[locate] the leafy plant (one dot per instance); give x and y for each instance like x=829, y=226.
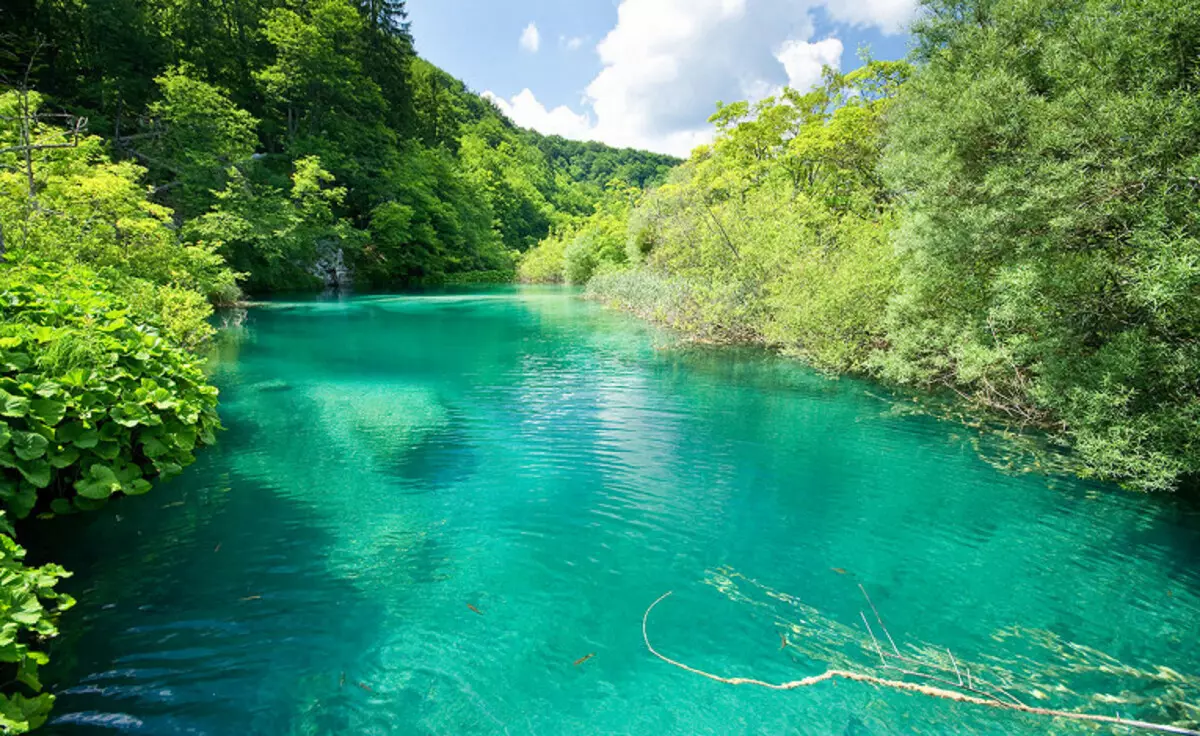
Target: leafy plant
x=29, y=607
x=94, y=400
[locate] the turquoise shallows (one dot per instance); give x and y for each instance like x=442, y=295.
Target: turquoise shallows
x=427, y=508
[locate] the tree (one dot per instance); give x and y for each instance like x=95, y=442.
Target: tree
x=1048, y=155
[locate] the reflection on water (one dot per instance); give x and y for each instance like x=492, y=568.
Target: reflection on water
x=427, y=508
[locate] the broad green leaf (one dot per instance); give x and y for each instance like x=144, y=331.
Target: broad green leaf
x=49, y=411
x=154, y=447
x=13, y=406
x=13, y=362
x=68, y=432
x=86, y=439
x=43, y=333
x=99, y=483
x=75, y=378
x=37, y=472
x=138, y=487
x=64, y=457
x=20, y=714
x=130, y=415
x=107, y=449
x=168, y=469
x=47, y=389
x=127, y=472
x=29, y=445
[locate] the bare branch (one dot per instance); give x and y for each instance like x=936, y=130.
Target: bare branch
x=912, y=687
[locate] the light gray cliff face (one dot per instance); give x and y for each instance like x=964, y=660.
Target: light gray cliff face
x=331, y=267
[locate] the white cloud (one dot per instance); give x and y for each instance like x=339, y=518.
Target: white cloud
x=804, y=61
x=889, y=16
x=525, y=110
x=531, y=40
x=574, y=43
x=667, y=62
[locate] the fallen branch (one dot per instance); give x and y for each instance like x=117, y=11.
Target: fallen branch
x=931, y=691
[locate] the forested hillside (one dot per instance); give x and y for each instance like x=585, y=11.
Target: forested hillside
x=304, y=141
x=1014, y=218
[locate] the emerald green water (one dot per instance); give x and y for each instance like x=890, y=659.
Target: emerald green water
x=391, y=460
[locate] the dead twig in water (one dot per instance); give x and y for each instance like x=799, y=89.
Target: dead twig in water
x=912, y=687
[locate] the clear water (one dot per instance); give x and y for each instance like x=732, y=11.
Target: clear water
x=391, y=461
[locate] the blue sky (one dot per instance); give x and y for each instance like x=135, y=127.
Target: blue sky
x=646, y=73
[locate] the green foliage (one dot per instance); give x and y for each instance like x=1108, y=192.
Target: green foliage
x=1050, y=240
x=94, y=401
x=599, y=165
x=1018, y=223
x=584, y=244
x=478, y=277
x=273, y=144
x=198, y=134
x=274, y=237
x=780, y=230
x=29, y=607
x=544, y=264
x=433, y=223
x=669, y=300
x=83, y=208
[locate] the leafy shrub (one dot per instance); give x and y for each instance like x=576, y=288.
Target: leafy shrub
x=580, y=260
x=829, y=307
x=94, y=400
x=478, y=277
x=273, y=236
x=1049, y=154
x=87, y=209
x=543, y=264
x=584, y=244
x=28, y=609
x=672, y=301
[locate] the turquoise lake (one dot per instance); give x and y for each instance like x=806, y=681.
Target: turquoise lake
x=427, y=510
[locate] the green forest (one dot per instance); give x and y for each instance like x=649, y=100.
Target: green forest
x=1011, y=215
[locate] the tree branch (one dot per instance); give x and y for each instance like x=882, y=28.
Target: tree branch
x=912, y=687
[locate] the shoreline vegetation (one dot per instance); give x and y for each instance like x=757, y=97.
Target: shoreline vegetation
x=1012, y=214
x=1009, y=217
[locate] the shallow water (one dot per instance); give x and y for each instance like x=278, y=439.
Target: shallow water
x=392, y=462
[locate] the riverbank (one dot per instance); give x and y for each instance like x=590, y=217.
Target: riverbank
x=1029, y=444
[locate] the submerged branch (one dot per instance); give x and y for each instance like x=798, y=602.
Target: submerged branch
x=913, y=687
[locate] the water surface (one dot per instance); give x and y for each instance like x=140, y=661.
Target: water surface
x=427, y=508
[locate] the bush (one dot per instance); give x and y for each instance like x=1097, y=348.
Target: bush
x=97, y=212
x=94, y=399
x=1049, y=155
x=543, y=264
x=829, y=307
x=28, y=609
x=580, y=260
